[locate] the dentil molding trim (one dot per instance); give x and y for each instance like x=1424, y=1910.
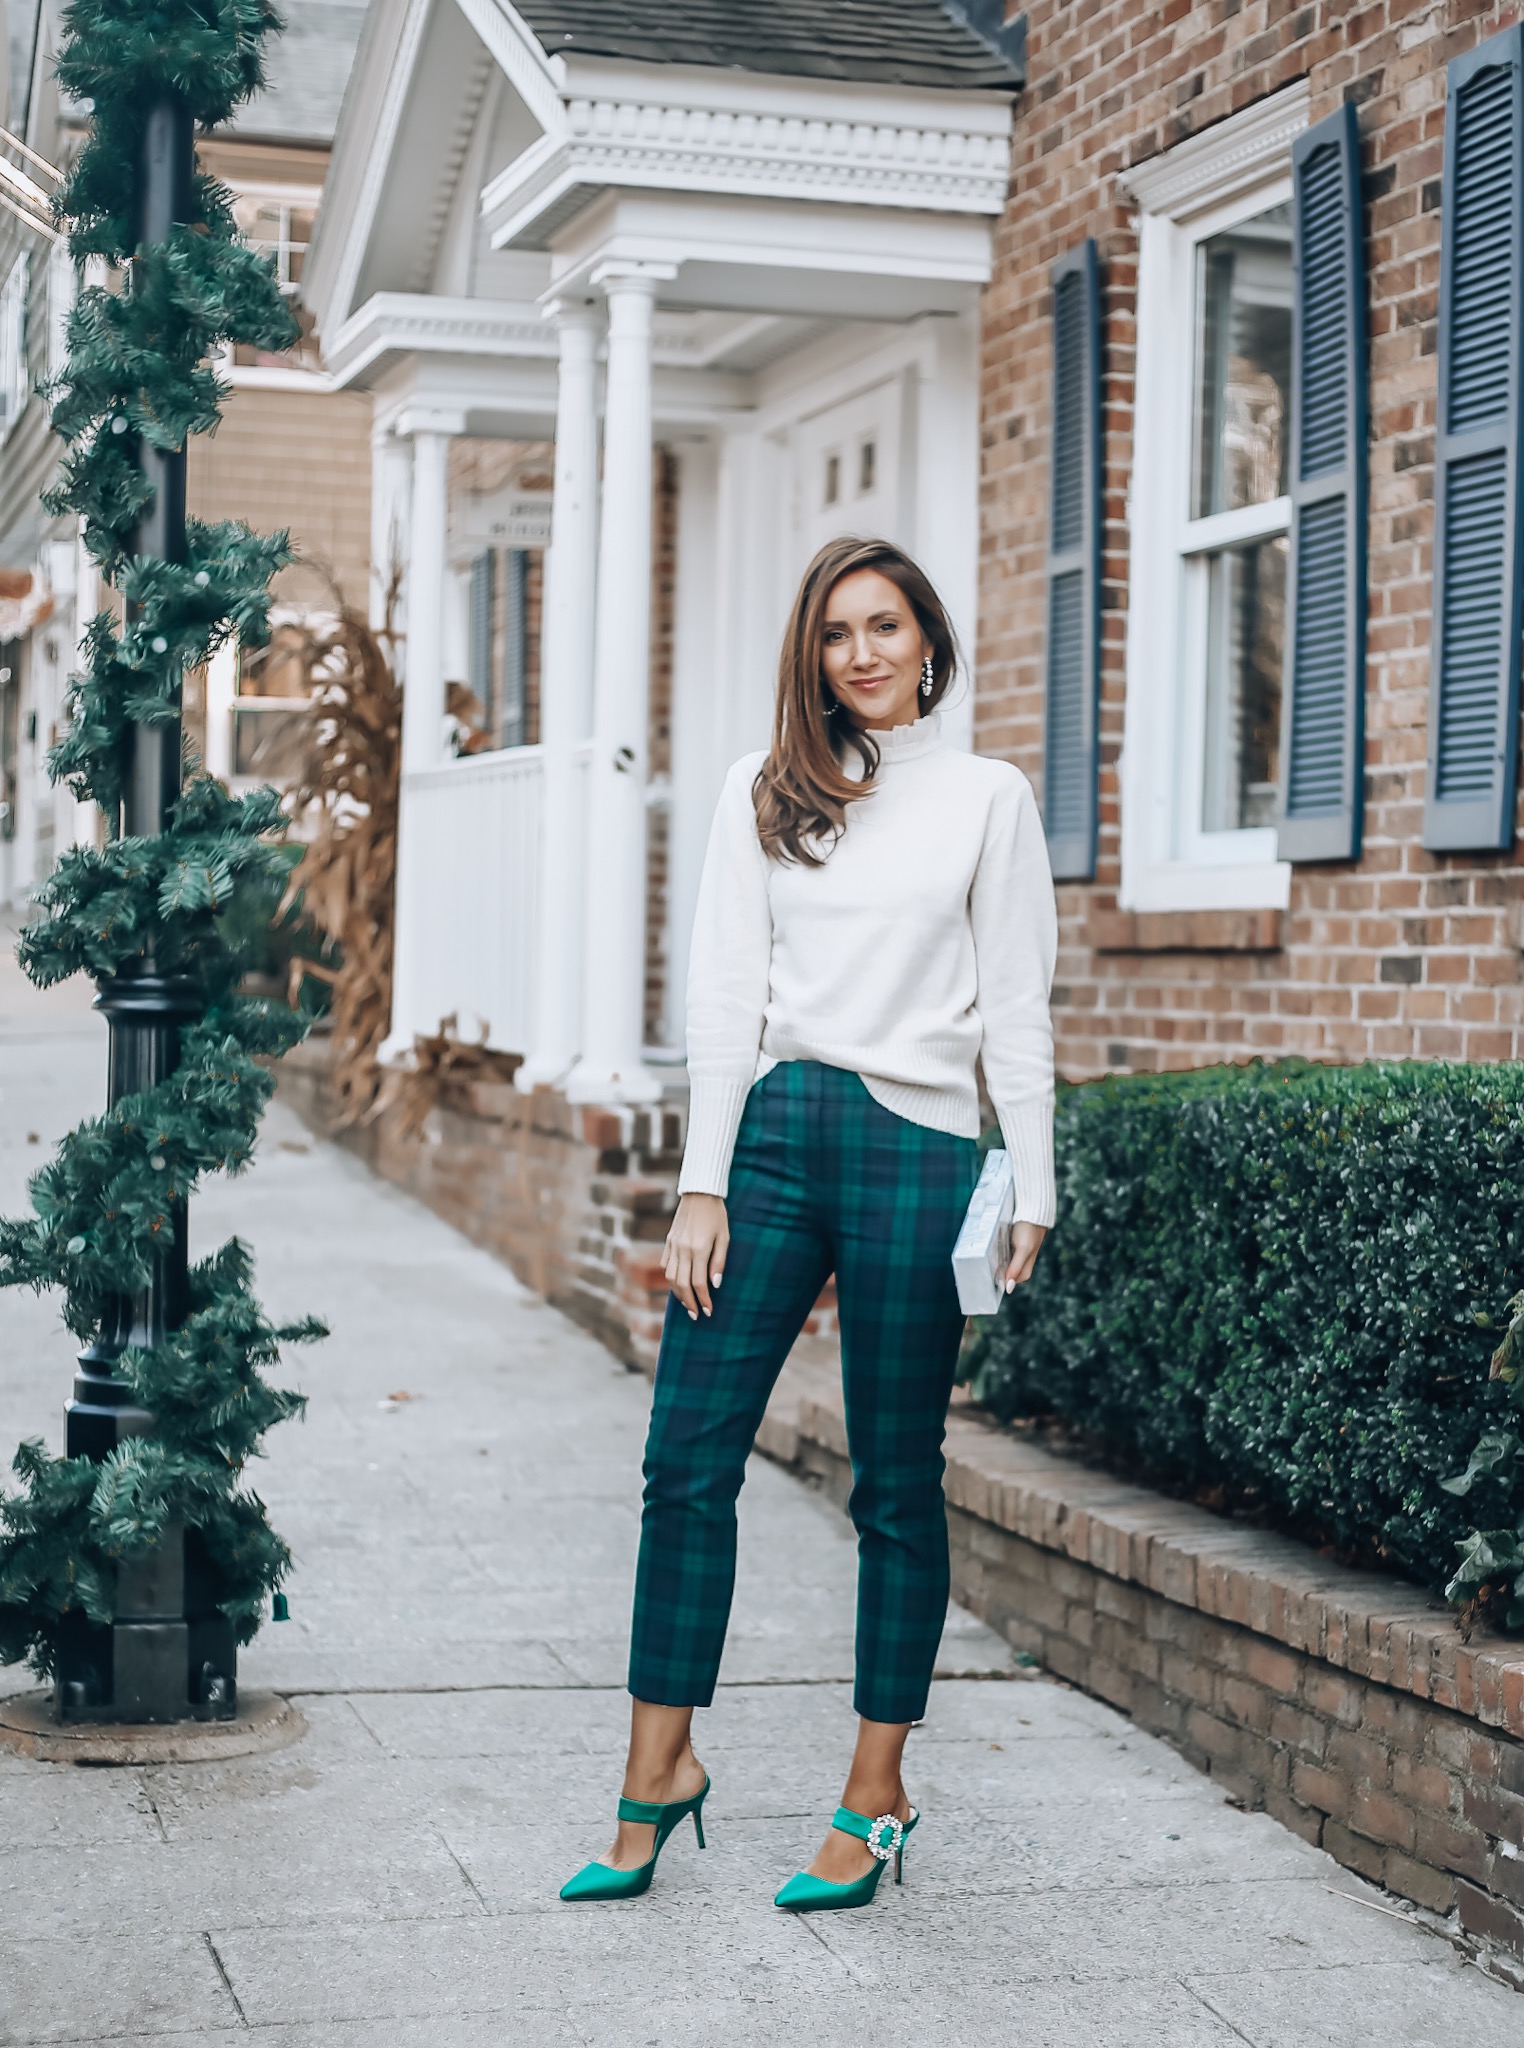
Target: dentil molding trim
x=528, y=70
x=408, y=322
x=1223, y=160
x=414, y=323
x=927, y=166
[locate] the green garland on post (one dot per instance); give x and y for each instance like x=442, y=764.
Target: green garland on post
x=138, y=371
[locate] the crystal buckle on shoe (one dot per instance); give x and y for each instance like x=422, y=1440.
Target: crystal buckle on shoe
x=886, y=1836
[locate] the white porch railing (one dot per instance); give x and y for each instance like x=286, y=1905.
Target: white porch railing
x=471, y=834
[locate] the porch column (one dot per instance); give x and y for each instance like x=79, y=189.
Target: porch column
x=566, y=689
x=612, y=1068
x=221, y=697
x=422, y=702
x=391, y=488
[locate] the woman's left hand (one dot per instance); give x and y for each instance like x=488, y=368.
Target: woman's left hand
x=1026, y=1243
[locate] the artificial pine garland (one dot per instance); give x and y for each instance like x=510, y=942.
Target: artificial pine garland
x=138, y=371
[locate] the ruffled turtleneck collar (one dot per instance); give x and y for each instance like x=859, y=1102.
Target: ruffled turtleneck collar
x=897, y=744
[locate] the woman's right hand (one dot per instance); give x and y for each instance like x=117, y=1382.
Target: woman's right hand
x=697, y=1245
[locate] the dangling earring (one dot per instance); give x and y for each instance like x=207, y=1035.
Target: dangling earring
x=928, y=677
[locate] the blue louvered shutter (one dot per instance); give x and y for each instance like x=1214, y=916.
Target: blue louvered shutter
x=1074, y=570
x=1474, y=652
x=515, y=646
x=479, y=653
x=1323, y=698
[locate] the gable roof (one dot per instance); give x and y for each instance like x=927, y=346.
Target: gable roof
x=306, y=70
x=875, y=42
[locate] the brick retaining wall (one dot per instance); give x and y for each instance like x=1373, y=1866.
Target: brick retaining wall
x=1343, y=1703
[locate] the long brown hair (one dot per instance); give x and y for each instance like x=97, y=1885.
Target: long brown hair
x=802, y=791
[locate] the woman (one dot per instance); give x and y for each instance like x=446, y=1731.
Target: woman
x=875, y=915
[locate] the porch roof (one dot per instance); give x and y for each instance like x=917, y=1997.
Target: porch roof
x=477, y=160
x=880, y=42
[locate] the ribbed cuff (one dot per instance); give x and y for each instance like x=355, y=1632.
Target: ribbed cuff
x=714, y=1116
x=1028, y=1132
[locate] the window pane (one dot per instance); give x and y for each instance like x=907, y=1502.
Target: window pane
x=281, y=230
x=281, y=668
x=1243, y=364
x=1246, y=632
x=267, y=742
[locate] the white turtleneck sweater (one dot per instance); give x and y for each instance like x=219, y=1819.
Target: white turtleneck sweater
x=924, y=944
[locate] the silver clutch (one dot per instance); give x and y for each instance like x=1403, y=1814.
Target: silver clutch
x=983, y=1250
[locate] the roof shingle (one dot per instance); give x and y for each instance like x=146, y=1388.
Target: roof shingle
x=871, y=42
x=306, y=70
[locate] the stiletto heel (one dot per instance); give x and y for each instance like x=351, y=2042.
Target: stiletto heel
x=885, y=1837
x=601, y=1881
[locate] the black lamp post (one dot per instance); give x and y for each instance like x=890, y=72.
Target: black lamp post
x=169, y=1654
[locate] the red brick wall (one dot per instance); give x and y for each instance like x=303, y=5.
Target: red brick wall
x=1407, y=954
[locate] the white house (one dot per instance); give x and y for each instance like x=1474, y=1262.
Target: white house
x=281, y=418
x=743, y=241
x=47, y=583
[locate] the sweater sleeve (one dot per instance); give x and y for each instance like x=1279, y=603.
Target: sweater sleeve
x=1015, y=927
x=728, y=975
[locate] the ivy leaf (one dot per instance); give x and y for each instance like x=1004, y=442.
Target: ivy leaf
x=1497, y=1447
x=1486, y=1554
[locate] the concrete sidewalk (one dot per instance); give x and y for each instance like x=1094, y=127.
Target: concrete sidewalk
x=456, y=1643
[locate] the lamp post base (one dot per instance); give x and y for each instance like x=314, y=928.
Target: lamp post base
x=168, y=1655
x=29, y=1726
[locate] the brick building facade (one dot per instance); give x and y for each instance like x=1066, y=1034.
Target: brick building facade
x=1401, y=952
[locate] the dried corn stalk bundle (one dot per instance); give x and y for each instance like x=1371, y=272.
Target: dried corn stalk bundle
x=342, y=798
x=442, y=1064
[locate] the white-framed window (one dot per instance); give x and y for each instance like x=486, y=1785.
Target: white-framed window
x=15, y=372
x=279, y=224
x=1209, y=517
x=278, y=221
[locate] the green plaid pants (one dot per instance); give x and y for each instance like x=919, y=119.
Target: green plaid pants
x=824, y=1179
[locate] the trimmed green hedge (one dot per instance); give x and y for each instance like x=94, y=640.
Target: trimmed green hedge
x=1279, y=1279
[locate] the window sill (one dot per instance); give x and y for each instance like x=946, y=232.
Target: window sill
x=1185, y=931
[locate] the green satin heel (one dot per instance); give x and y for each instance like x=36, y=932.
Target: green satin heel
x=598, y=1881
x=885, y=1838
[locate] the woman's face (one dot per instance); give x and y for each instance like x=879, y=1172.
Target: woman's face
x=872, y=650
